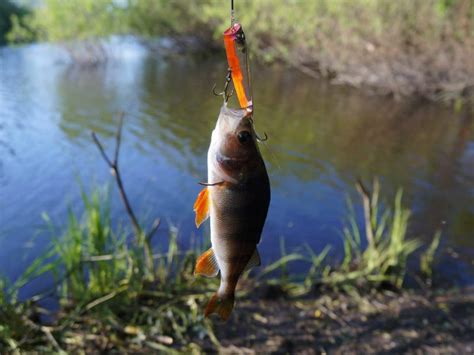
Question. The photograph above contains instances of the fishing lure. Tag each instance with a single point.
(237, 58)
(239, 67)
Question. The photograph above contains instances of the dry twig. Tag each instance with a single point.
(115, 170)
(140, 237)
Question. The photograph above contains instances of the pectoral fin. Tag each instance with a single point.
(201, 206)
(206, 264)
(254, 260)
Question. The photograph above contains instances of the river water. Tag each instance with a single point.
(321, 138)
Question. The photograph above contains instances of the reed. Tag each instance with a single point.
(387, 247)
(427, 258)
(375, 255)
(103, 288)
(18, 329)
(109, 302)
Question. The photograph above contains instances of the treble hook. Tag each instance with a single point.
(224, 93)
(261, 139)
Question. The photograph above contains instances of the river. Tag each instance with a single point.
(321, 139)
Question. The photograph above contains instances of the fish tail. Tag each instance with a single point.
(222, 305)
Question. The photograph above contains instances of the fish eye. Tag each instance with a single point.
(244, 136)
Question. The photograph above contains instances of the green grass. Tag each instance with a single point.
(95, 259)
(428, 257)
(105, 289)
(110, 300)
(384, 259)
(375, 256)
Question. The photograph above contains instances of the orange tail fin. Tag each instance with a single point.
(221, 305)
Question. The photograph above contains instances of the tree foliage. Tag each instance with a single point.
(273, 24)
(59, 20)
(402, 47)
(9, 12)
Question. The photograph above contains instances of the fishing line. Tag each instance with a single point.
(232, 13)
(274, 157)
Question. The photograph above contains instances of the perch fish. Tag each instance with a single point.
(236, 198)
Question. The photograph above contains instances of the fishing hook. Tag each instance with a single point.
(224, 93)
(260, 139)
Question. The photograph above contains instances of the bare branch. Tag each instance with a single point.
(118, 138)
(140, 237)
(102, 151)
(128, 207)
(118, 177)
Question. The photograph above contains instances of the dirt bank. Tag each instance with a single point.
(411, 322)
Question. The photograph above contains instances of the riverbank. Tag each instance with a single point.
(435, 321)
(403, 48)
(266, 321)
(116, 294)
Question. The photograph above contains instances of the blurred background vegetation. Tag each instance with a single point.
(9, 11)
(398, 47)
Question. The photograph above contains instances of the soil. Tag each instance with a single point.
(435, 322)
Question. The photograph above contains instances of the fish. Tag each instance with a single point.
(235, 198)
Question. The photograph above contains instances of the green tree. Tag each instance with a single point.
(59, 20)
(8, 12)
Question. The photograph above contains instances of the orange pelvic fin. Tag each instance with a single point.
(201, 206)
(206, 264)
(221, 305)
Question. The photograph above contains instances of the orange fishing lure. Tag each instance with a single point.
(237, 58)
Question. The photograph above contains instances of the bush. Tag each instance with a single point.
(10, 16)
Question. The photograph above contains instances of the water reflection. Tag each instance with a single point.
(321, 138)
